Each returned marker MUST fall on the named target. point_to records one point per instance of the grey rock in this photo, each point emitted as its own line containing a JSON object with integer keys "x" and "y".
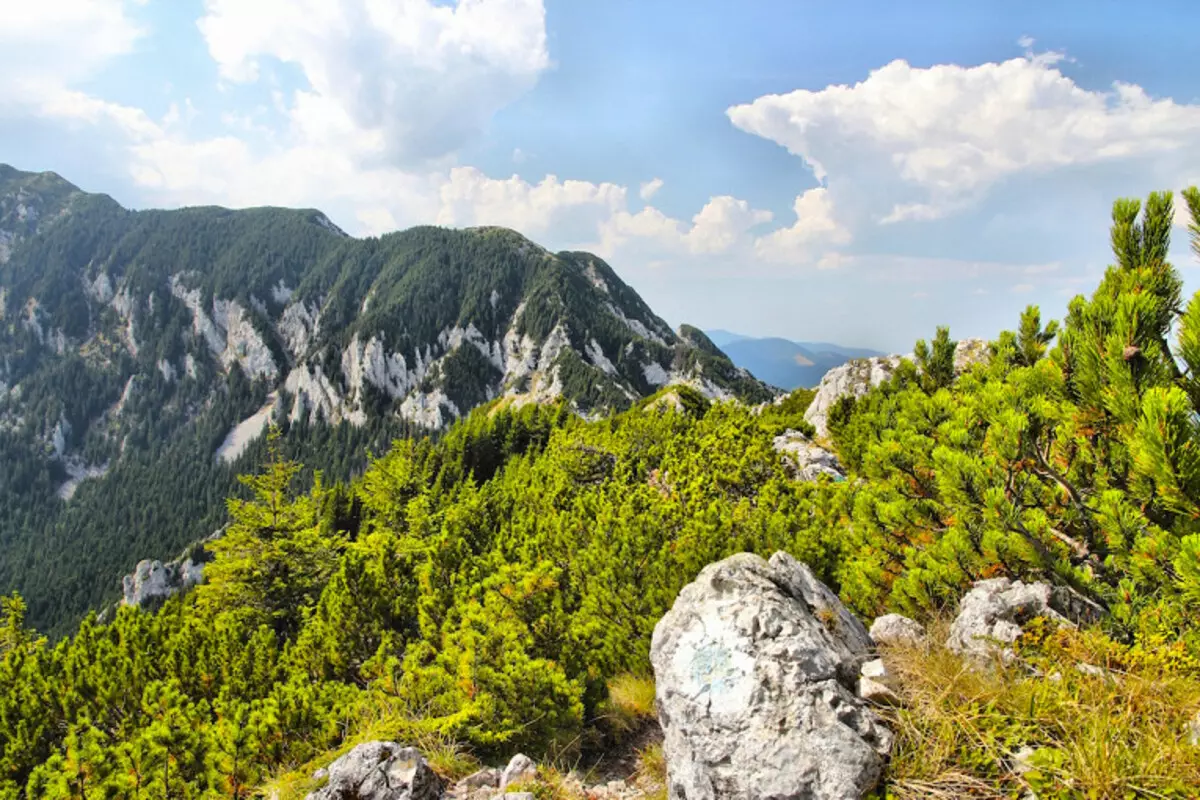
{"x": 520, "y": 768}
{"x": 877, "y": 685}
{"x": 756, "y": 666}
{"x": 969, "y": 352}
{"x": 856, "y": 378}
{"x": 991, "y": 616}
{"x": 489, "y": 777}
{"x": 515, "y": 796}
{"x": 859, "y": 376}
{"x": 380, "y": 771}
{"x": 1192, "y": 730}
{"x": 153, "y": 580}
{"x": 892, "y": 629}
{"x": 804, "y": 460}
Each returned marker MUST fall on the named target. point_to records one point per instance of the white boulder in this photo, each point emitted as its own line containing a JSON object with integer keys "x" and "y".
{"x": 380, "y": 771}
{"x": 756, "y": 667}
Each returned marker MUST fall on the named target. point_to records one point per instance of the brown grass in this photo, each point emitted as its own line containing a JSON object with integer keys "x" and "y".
{"x": 1117, "y": 735}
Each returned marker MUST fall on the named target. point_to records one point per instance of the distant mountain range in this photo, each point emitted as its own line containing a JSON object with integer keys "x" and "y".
{"x": 142, "y": 353}
{"x": 782, "y": 362}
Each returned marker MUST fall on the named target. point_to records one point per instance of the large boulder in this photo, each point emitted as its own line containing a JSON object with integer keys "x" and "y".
{"x": 993, "y": 614}
{"x": 380, "y": 771}
{"x": 756, "y": 666}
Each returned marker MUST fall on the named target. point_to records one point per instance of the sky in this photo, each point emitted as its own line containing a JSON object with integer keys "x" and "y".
{"x": 856, "y": 172}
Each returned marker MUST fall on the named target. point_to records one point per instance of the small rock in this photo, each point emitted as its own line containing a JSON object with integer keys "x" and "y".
{"x": 380, "y": 771}
{"x": 489, "y": 777}
{"x": 515, "y": 796}
{"x": 520, "y": 768}
{"x": 1092, "y": 670}
{"x": 1192, "y": 729}
{"x": 892, "y": 629}
{"x": 1022, "y": 760}
{"x": 876, "y": 684}
{"x": 874, "y": 691}
{"x": 874, "y": 669}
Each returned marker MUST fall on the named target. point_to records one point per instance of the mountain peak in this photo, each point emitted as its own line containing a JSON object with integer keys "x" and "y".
{"x": 130, "y": 337}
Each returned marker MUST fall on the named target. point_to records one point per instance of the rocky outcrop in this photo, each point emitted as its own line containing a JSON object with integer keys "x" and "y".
{"x": 893, "y": 629}
{"x": 804, "y": 460}
{"x": 380, "y": 771}
{"x": 969, "y": 352}
{"x": 854, "y": 378}
{"x": 153, "y": 580}
{"x": 756, "y": 667}
{"x": 991, "y": 616}
{"x": 859, "y": 376}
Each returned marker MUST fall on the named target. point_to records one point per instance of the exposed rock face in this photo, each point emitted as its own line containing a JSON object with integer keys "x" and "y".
{"x": 805, "y": 460}
{"x": 756, "y": 667}
{"x": 991, "y": 615}
{"x": 380, "y": 771}
{"x": 897, "y": 629}
{"x": 855, "y": 378}
{"x": 153, "y": 580}
{"x": 969, "y": 352}
{"x": 859, "y": 376}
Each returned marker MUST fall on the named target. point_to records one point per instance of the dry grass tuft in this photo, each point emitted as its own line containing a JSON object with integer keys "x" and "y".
{"x": 1119, "y": 734}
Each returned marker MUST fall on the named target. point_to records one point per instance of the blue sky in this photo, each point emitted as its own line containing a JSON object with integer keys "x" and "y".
{"x": 857, "y": 172}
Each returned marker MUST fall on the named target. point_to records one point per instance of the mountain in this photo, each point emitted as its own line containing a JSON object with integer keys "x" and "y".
{"x": 784, "y": 363}
{"x": 722, "y": 338}
{"x": 142, "y": 353}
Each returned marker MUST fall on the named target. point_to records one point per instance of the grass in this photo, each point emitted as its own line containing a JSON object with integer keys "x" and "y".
{"x": 1119, "y": 734}
{"x": 378, "y": 722}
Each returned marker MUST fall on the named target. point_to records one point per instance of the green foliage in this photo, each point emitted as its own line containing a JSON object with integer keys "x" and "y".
{"x": 497, "y": 588}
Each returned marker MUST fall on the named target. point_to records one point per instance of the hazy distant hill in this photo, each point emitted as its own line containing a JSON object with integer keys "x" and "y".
{"x": 782, "y": 362}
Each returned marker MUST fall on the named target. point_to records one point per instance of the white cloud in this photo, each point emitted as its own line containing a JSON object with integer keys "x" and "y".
{"x": 571, "y": 209}
{"x": 1023, "y": 288}
{"x": 650, "y": 188}
{"x": 721, "y": 223}
{"x": 815, "y": 228}
{"x": 49, "y": 44}
{"x": 911, "y": 144}
{"x": 405, "y": 81}
{"x": 721, "y": 226}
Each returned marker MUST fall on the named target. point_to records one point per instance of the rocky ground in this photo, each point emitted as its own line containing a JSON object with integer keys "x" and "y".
{"x": 766, "y": 686}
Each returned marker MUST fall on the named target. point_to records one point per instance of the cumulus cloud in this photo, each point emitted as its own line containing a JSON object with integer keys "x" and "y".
{"x": 917, "y": 144}
{"x": 815, "y": 228}
{"x": 650, "y": 188}
{"x": 721, "y": 226}
{"x": 47, "y": 46}
{"x": 407, "y": 82}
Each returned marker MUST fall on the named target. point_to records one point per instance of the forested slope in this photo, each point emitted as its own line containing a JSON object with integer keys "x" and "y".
{"x": 142, "y": 353}
{"x": 482, "y": 591}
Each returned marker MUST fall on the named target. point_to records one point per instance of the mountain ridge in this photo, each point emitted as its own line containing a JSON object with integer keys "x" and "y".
{"x": 124, "y": 334}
